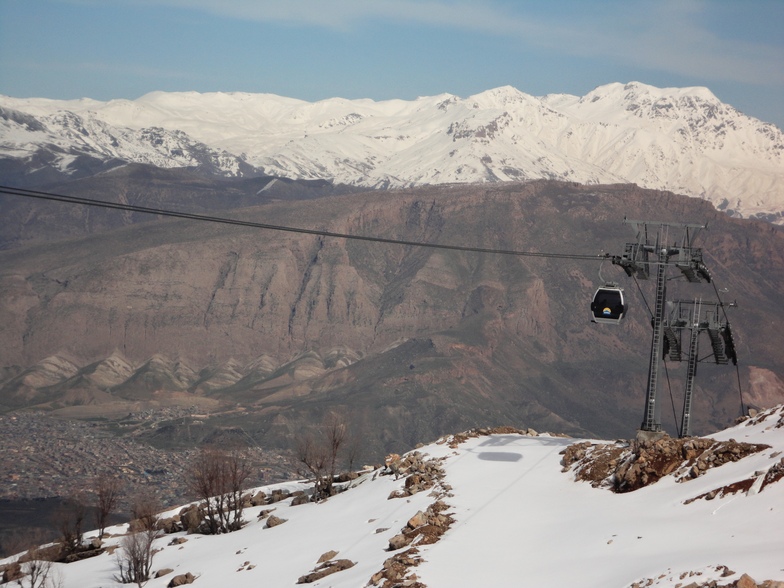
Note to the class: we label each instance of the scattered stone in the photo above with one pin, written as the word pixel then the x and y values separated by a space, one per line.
pixel 745 581
pixel 324 569
pixel 181 580
pixel 258 499
pixel 169 525
pixel 327 556
pixel 273 521
pixel 400 541
pixel 11 572
pixel 395 569
pixel 420 474
pixel 278 495
pixel 191 518
pixel 301 499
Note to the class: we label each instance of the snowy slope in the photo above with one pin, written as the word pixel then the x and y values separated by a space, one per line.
pixel 518 521
pixel 679 139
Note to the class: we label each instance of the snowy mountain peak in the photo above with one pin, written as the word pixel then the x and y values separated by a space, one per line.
pixel 679 139
pixel 638 91
pixel 501 97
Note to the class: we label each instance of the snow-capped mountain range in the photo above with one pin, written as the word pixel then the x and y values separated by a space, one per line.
pixel 680 139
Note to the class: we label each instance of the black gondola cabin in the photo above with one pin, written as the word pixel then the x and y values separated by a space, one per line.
pixel 608 305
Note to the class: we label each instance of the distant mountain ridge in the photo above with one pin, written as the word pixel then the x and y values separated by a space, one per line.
pixel 683 140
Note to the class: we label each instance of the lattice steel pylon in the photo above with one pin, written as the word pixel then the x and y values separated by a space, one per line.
pixel 652 248
pixel 698 317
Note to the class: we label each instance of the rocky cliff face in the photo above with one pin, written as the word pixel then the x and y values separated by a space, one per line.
pixel 410 342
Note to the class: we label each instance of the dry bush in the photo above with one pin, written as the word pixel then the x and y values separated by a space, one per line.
pixel 107 493
pixel 69 521
pixel 134 557
pixel 144 511
pixel 318 451
pixel 217 478
pixel 39 571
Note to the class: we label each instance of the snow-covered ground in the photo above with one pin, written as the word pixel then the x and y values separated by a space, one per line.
pixel 519 520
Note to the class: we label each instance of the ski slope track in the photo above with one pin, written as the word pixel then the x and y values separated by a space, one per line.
pixel 679 139
pixel 518 519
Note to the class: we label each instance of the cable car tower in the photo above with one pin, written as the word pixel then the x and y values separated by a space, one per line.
pixel 652 249
pixel 698 317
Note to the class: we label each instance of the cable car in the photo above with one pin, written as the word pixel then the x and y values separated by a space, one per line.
pixel 608 305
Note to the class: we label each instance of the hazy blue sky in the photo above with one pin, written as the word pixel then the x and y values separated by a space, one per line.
pixel 381 49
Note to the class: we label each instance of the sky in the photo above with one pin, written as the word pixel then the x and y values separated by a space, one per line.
pixel 386 49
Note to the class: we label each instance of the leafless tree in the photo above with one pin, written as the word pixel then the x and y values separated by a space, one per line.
pixel 144 511
pixel 69 519
pixel 318 451
pixel 39 572
pixel 353 447
pixel 107 492
pixel 217 479
pixel 135 557
pixel 34 567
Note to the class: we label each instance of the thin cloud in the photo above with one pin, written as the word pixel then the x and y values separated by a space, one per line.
pixel 99 67
pixel 666 36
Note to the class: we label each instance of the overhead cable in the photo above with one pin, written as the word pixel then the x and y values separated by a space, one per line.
pixel 244 223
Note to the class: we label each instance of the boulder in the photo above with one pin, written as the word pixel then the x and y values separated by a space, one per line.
pixel 11 572
pixel 273 521
pixel 327 556
pixel 258 499
pixel 191 518
pixel 301 499
pixel 325 569
pixel 181 580
pixel 399 541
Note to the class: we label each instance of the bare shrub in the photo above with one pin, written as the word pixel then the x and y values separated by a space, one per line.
pixel 69 520
pixel 318 451
pixel 107 493
pixel 144 512
pixel 39 571
pixel 134 558
pixel 217 479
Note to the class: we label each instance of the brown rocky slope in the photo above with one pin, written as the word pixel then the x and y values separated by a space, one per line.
pixel 408 342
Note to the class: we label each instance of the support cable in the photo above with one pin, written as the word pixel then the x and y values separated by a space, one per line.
pixel 672 399
pixel 737 369
pixel 650 312
pixel 229 221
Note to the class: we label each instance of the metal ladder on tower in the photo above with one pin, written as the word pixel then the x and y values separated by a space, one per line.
pixel 651 421
pixel 691 371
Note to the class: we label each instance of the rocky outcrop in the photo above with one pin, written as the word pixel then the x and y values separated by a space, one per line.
pixel 420 474
pixel 423 528
pixel 694 579
pixel 629 467
pixel 396 571
pixel 326 566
